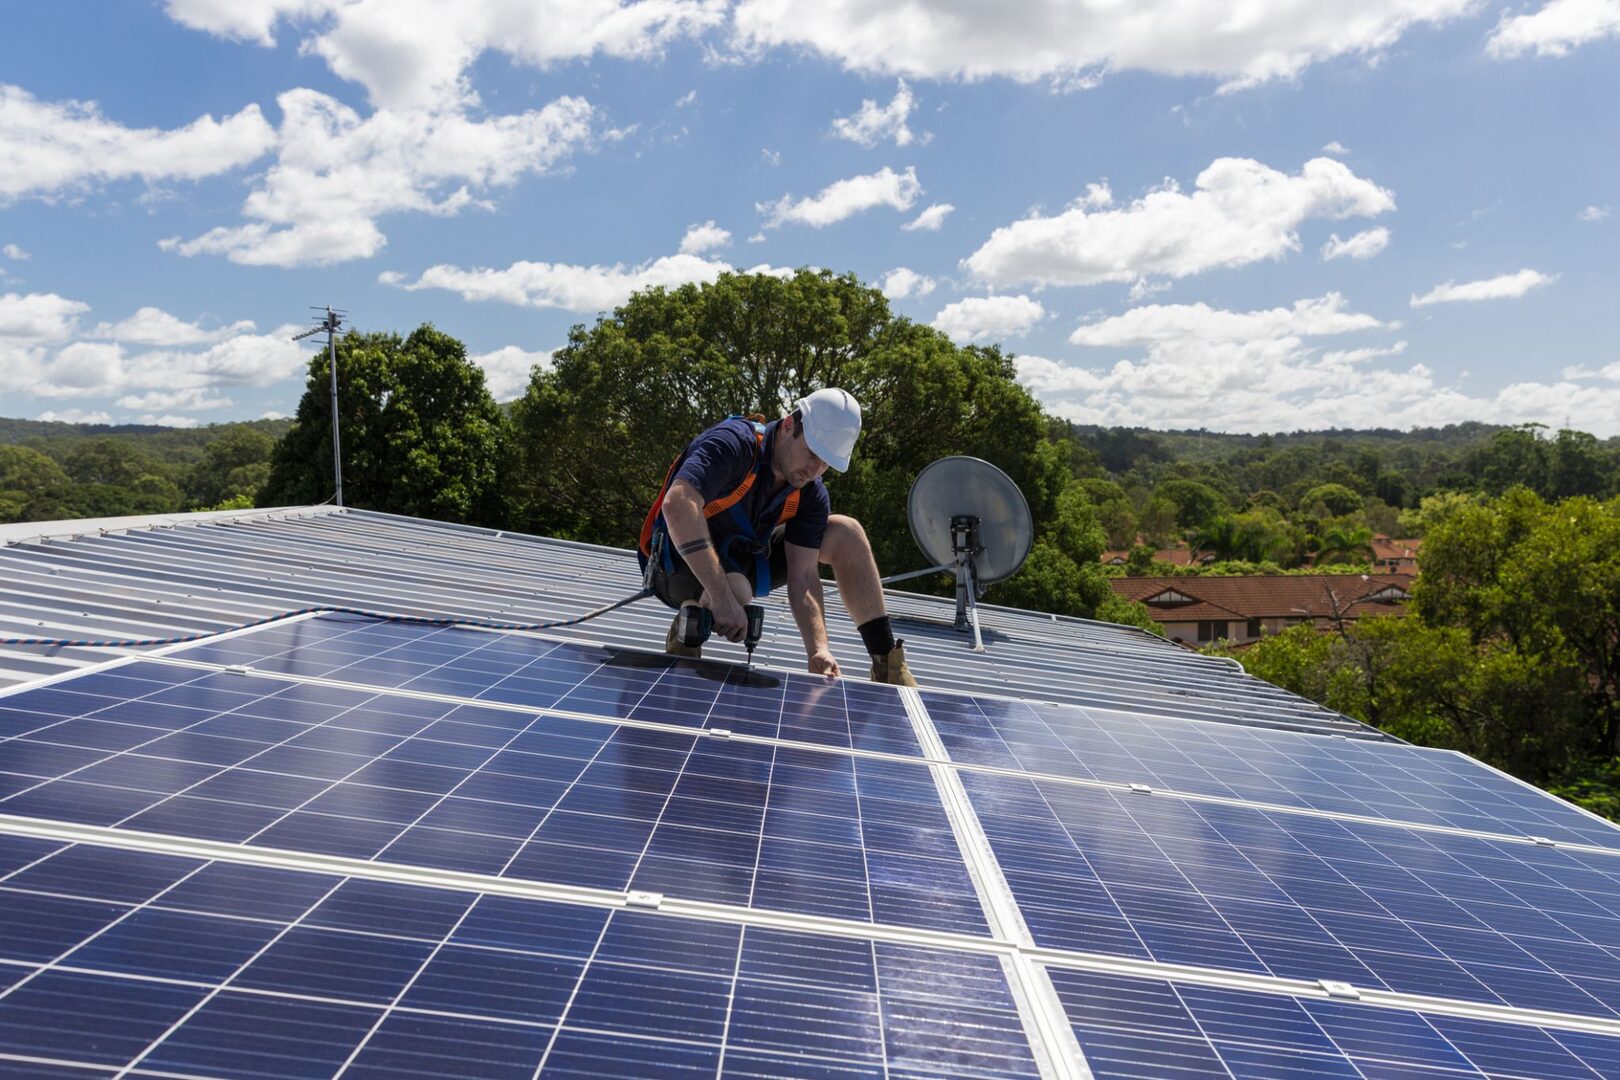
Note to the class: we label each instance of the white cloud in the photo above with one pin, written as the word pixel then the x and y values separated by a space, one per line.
pixel 154 326
pixel 705 237
pixel 1190 366
pixel 337 173
pixel 1502 287
pixel 988 318
pixel 1363 245
pixel 845 198
pixel 1594 214
pixel 930 219
pixel 75 416
pixel 414 54
pixel 584 289
pixel 195 398
pixel 53 148
pixel 903 282
pixel 1336 148
pixel 1160 323
pixel 39 317
pixel 506 371
pixel 1240 212
pixel 169 421
pixel 12 251
pixel 772 158
pixel 1072 43
pixel 873 123
pixel 1557 28
pixel 688 98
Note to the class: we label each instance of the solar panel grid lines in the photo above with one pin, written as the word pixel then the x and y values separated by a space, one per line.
pixel 1162 1028
pixel 570 817
pixel 1349 778
pixel 464 982
pixel 1236 889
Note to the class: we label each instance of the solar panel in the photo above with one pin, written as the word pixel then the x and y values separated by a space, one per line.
pixel 1363 777
pixel 208 968
pixel 1132 1027
pixel 237 901
pixel 530 671
pixel 1307 897
pixel 469 788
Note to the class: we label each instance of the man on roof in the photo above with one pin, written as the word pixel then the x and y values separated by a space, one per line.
pixel 743 511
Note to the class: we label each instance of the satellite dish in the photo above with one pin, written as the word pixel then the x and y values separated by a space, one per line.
pixel 967 487
pixel 971 521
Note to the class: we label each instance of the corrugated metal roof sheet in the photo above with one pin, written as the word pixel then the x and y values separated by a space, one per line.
pixel 181 574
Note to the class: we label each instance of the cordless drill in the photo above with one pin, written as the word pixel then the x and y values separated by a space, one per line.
pixel 694 625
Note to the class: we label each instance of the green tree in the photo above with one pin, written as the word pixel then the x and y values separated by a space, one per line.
pixel 1578 466
pixel 1118 520
pixel 1196 502
pixel 1345 544
pixel 1517 456
pixel 236 464
pixel 29 481
pixel 1337 499
pixel 420 433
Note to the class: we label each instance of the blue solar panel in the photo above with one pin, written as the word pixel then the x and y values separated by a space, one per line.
pixel 495 791
pixel 543 674
pixel 1149 1028
pixel 1346 776
pixel 217 969
pixel 1307 897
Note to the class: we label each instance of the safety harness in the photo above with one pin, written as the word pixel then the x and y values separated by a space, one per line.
pixel 731 502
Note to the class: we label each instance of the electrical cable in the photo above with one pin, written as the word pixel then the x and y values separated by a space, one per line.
pixel 383 616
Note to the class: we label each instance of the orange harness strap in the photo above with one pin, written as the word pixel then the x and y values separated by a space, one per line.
pixel 716 506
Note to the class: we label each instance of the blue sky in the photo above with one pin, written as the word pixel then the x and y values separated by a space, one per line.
pixel 1403 213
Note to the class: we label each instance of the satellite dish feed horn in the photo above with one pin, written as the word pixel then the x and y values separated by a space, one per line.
pixel 971 521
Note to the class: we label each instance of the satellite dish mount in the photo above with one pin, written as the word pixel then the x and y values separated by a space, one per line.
pixel 972 522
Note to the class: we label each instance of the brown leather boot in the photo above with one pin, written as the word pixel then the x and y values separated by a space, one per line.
pixel 891 668
pixel 676 647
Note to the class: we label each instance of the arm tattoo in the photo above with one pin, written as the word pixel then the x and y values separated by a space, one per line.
pixel 694 546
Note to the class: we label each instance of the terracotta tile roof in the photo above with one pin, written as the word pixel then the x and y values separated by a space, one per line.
pixel 1263 596
pixel 1386 548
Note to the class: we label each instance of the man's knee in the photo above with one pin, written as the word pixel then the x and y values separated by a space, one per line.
pixel 844 538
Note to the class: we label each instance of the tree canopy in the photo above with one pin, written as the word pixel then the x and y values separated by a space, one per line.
pixel 420 433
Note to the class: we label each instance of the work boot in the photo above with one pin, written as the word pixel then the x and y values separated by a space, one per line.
pixel 674 646
pixel 891 667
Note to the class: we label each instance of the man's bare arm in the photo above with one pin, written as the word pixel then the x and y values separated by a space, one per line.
pixel 689 532
pixel 805 600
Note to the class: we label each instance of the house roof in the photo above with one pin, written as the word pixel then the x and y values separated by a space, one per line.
pixel 156 577
pixel 1265 596
pixel 1385 548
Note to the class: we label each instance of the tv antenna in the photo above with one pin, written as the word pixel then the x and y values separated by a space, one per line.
pixel 971 521
pixel 331 322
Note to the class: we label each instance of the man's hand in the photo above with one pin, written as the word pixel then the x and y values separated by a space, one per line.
pixel 730 620
pixel 822 663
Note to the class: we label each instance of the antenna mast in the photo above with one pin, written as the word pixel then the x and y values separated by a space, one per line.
pixel 331 323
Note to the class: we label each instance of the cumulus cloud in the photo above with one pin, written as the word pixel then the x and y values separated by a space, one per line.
pixel 337 173
pixel 1336 148
pixel 1239 212
pixel 52 148
pixel 989 318
pixel 705 237
pixel 584 289
pixel 154 326
pixel 1363 245
pixel 1189 366
pixel 12 251
pixel 507 370
pixel 1501 287
pixel 930 219
pixel 873 123
pixel 75 416
pixel 844 199
pixel 45 352
pixel 415 55
pixel 903 282
pixel 1556 29
pixel 1072 43
pixel 1595 214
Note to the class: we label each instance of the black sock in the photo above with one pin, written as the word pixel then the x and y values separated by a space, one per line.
pixel 878 635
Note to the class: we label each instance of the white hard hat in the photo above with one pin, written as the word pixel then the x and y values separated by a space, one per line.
pixel 831 422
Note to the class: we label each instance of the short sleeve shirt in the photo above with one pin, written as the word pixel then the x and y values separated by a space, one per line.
pixel 718 460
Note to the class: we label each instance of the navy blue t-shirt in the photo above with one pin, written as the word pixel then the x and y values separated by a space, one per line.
pixel 717 461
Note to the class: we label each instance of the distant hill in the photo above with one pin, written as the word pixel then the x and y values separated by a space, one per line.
pixel 164 443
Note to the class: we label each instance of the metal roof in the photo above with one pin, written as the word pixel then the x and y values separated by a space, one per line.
pixel 177 574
